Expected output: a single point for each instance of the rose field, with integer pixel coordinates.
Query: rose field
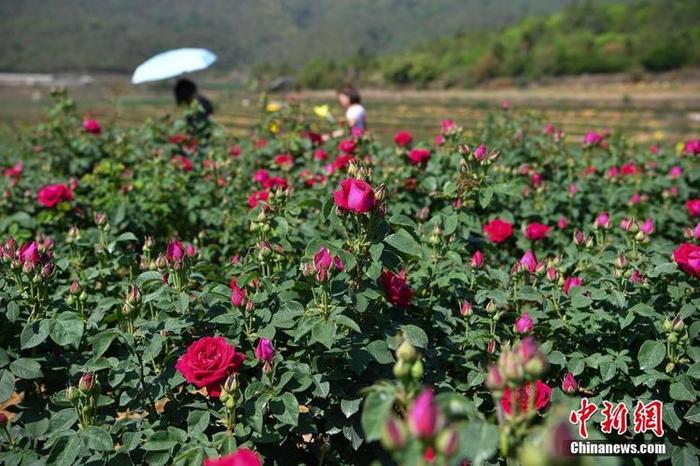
(174, 294)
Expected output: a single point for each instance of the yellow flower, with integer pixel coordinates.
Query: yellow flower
(273, 107)
(321, 111)
(274, 127)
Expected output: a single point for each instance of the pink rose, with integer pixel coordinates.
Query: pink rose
(284, 160)
(424, 415)
(208, 362)
(418, 156)
(692, 147)
(264, 351)
(535, 231)
(257, 197)
(562, 223)
(497, 230)
(91, 126)
(29, 254)
(175, 252)
(355, 196)
(602, 220)
(529, 261)
(239, 296)
(241, 457)
(50, 195)
(524, 324)
(572, 282)
(480, 152)
(477, 259)
(348, 146)
(521, 397)
(687, 256)
(693, 206)
(396, 288)
(403, 138)
(569, 384)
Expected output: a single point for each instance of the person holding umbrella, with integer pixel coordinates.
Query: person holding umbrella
(198, 119)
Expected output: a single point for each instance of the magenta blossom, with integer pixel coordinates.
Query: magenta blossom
(529, 261)
(423, 416)
(647, 227)
(524, 324)
(572, 282)
(477, 259)
(602, 220)
(569, 383)
(264, 351)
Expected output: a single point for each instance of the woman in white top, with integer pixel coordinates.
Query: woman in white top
(355, 114)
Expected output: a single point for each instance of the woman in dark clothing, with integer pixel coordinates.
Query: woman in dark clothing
(198, 121)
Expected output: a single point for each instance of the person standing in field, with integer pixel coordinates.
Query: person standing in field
(355, 115)
(197, 121)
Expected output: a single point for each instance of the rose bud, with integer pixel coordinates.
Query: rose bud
(423, 416)
(74, 287)
(466, 309)
(579, 238)
(264, 351)
(552, 274)
(477, 259)
(494, 379)
(406, 352)
(569, 383)
(446, 442)
(491, 307)
(524, 324)
(393, 434)
(87, 382)
(620, 261)
(491, 346)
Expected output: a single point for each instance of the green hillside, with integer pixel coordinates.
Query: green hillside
(586, 37)
(56, 35)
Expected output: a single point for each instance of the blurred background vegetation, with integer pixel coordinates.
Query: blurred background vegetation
(436, 43)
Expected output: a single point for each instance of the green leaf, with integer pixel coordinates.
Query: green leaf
(197, 421)
(67, 329)
(324, 333)
(69, 451)
(350, 407)
(7, 385)
(416, 336)
(376, 411)
(683, 457)
(286, 409)
(380, 352)
(693, 414)
(26, 369)
(478, 441)
(160, 441)
(651, 354)
(96, 438)
(347, 322)
(102, 340)
(33, 334)
(682, 389)
(403, 242)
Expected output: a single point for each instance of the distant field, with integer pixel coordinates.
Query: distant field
(657, 111)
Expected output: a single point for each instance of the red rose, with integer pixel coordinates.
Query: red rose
(418, 156)
(396, 288)
(184, 163)
(354, 195)
(403, 138)
(284, 160)
(208, 362)
(687, 256)
(498, 230)
(235, 151)
(347, 145)
(693, 206)
(52, 194)
(535, 231)
(257, 197)
(523, 395)
(241, 457)
(91, 126)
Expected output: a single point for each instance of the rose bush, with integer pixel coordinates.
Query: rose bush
(292, 299)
